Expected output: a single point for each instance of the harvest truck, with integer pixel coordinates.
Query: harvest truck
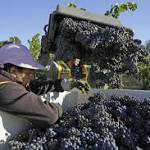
(49, 40)
(76, 33)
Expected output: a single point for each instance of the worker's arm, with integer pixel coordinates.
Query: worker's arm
(40, 87)
(17, 100)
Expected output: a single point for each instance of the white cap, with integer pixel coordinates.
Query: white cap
(18, 55)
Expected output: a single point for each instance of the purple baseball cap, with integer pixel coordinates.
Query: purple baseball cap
(18, 55)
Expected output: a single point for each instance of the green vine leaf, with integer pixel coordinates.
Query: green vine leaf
(117, 9)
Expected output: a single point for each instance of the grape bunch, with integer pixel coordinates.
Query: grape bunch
(111, 48)
(114, 123)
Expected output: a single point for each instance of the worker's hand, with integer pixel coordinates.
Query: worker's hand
(81, 85)
(70, 84)
(66, 84)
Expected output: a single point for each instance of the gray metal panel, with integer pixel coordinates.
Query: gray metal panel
(10, 126)
(85, 15)
(141, 94)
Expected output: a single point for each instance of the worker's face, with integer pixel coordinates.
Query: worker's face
(24, 75)
(76, 62)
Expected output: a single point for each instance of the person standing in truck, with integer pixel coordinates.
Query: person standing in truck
(16, 96)
(79, 73)
(77, 69)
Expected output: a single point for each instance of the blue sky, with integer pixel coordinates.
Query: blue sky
(25, 18)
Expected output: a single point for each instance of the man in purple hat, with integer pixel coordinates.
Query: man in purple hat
(17, 68)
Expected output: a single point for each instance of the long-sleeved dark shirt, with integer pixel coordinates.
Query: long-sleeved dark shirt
(17, 100)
